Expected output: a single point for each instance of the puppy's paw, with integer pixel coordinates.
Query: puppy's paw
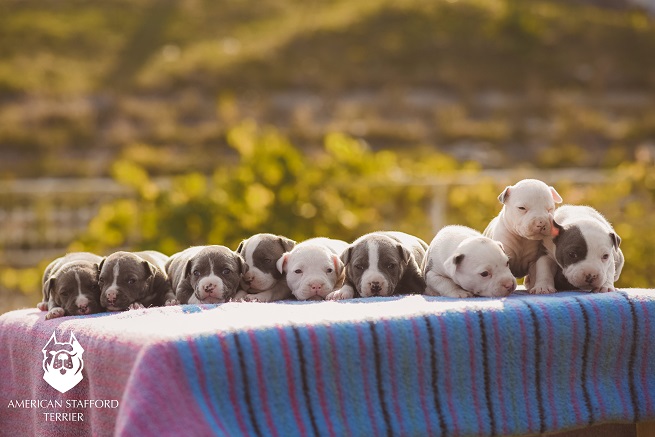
(171, 302)
(458, 294)
(43, 306)
(336, 295)
(136, 306)
(606, 288)
(54, 313)
(252, 298)
(542, 289)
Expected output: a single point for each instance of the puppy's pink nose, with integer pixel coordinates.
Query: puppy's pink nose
(316, 286)
(111, 295)
(510, 286)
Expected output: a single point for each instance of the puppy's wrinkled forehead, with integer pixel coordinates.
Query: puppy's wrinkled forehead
(212, 261)
(78, 280)
(123, 265)
(266, 252)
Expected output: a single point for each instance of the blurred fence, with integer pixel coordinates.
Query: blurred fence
(40, 217)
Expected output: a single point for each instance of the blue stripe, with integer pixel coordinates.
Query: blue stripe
(191, 373)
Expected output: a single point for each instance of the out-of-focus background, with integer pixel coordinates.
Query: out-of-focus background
(161, 124)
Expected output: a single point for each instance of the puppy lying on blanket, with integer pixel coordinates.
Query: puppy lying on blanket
(525, 219)
(460, 262)
(380, 263)
(134, 280)
(205, 274)
(584, 254)
(263, 282)
(313, 268)
(70, 286)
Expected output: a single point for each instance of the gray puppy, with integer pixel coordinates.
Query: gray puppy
(263, 282)
(70, 286)
(382, 264)
(205, 274)
(134, 280)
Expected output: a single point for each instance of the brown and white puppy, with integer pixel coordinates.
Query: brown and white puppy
(524, 221)
(382, 264)
(583, 255)
(263, 282)
(313, 268)
(205, 274)
(133, 280)
(70, 286)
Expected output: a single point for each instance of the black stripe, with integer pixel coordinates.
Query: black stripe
(433, 367)
(633, 361)
(246, 386)
(585, 354)
(487, 377)
(378, 377)
(537, 375)
(305, 384)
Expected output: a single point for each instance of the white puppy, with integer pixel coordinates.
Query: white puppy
(313, 268)
(525, 219)
(584, 253)
(461, 262)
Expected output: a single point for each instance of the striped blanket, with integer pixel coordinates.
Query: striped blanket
(403, 366)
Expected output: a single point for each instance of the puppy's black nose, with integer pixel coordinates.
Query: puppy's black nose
(589, 278)
(376, 287)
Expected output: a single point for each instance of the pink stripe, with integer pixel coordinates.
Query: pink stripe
(230, 377)
(421, 386)
(574, 353)
(337, 374)
(594, 371)
(524, 373)
(392, 370)
(261, 383)
(447, 374)
(367, 391)
(292, 392)
(644, 360)
(474, 384)
(499, 376)
(550, 359)
(319, 377)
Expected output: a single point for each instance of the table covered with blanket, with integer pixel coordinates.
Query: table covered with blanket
(400, 366)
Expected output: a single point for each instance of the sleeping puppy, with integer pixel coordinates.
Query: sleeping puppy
(70, 286)
(205, 274)
(381, 264)
(134, 280)
(313, 268)
(461, 262)
(263, 282)
(525, 219)
(583, 255)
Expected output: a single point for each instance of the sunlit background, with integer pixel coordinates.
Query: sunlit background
(159, 124)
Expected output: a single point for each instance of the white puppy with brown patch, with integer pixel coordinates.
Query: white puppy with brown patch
(313, 268)
(524, 221)
(461, 262)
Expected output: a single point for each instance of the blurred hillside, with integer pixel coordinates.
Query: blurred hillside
(161, 81)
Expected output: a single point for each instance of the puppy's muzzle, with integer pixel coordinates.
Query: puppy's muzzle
(376, 288)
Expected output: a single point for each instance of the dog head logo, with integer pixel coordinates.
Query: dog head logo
(62, 363)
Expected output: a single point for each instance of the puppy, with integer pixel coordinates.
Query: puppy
(313, 268)
(381, 264)
(134, 280)
(263, 282)
(584, 254)
(205, 274)
(70, 286)
(461, 262)
(525, 219)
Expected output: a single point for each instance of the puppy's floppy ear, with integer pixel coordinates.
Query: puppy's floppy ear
(240, 248)
(616, 240)
(148, 268)
(556, 197)
(404, 253)
(556, 230)
(187, 269)
(501, 245)
(48, 287)
(282, 262)
(241, 263)
(502, 198)
(340, 269)
(102, 263)
(286, 243)
(346, 254)
(452, 263)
